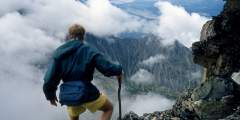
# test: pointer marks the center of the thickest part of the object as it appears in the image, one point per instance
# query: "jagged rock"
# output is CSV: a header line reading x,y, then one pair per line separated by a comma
x,y
131,116
218,51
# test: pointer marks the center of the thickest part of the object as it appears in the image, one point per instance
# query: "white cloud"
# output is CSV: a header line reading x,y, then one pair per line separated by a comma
x,y
153,60
148,103
196,75
142,76
23,100
22,48
18,35
8,6
104,18
175,23
99,17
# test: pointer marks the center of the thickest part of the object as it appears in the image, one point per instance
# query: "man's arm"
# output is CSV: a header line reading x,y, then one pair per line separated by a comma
x,y
51,81
106,67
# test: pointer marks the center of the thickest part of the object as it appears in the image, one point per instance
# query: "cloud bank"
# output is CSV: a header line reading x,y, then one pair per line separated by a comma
x,y
153,60
148,103
175,23
142,76
102,18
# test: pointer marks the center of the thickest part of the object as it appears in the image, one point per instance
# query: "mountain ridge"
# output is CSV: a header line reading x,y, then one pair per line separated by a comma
x,y
170,72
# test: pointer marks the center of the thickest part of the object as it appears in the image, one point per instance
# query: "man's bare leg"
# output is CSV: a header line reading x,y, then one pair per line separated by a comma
x,y
107,109
74,118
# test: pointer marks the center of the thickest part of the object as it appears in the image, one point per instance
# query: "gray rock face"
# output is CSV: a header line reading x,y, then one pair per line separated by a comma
x,y
218,51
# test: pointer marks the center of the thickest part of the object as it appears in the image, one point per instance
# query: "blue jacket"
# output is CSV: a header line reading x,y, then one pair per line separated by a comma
x,y
76,61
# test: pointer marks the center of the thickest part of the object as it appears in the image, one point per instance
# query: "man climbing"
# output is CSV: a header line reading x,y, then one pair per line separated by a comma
x,y
74,63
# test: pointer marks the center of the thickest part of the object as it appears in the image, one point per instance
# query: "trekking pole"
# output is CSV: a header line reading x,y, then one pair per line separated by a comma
x,y
119,99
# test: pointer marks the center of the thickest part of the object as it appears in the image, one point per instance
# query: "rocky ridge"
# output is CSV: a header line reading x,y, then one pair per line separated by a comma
x,y
218,52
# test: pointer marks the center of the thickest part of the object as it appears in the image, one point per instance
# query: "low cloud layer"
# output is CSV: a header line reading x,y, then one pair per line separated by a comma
x,y
148,103
142,76
153,60
196,75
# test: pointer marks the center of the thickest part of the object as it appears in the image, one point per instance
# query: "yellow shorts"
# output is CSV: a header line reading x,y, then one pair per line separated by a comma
x,y
93,106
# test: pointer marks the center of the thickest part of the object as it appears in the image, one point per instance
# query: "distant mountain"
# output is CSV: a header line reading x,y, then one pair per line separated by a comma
x,y
176,72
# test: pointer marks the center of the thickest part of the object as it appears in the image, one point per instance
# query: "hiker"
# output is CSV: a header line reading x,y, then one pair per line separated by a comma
x,y
74,63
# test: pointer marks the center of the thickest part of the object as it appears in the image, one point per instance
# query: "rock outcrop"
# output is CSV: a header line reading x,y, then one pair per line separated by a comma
x,y
218,51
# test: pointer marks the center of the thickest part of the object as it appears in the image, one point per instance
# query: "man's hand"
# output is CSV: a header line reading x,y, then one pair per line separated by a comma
x,y
120,77
54,101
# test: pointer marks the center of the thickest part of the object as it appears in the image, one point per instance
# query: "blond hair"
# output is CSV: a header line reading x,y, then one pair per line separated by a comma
x,y
76,31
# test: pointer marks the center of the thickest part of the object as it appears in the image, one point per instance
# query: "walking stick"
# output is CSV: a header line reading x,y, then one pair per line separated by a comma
x,y
119,99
